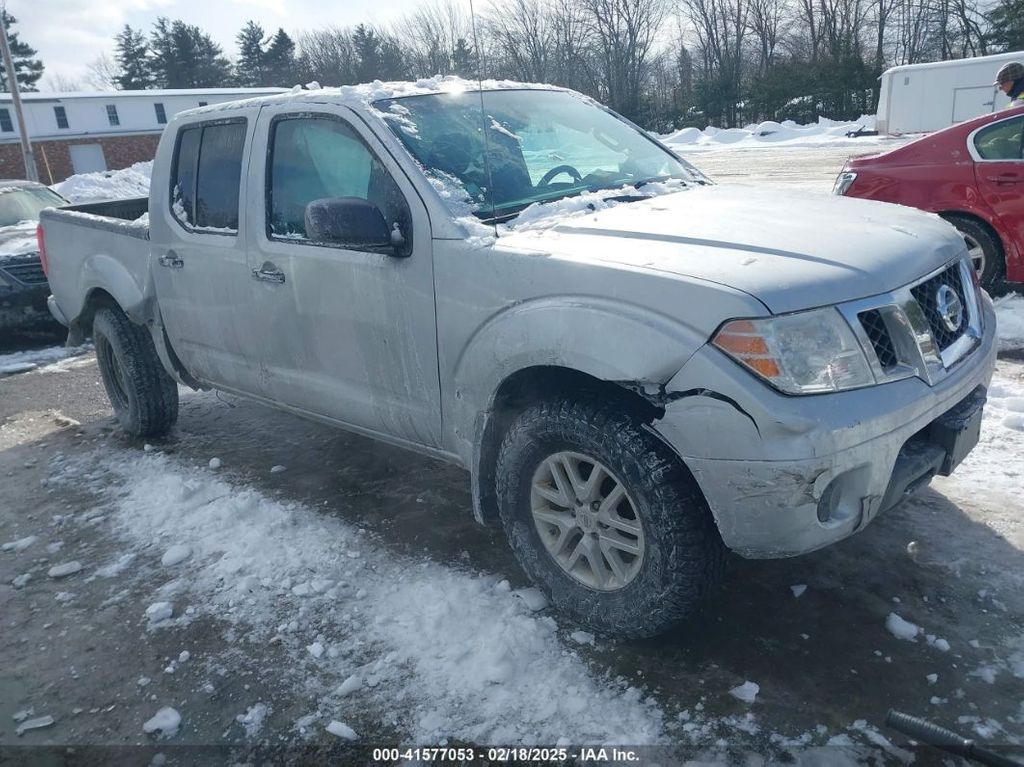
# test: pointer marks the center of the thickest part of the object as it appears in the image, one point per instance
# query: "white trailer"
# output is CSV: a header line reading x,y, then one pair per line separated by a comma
x,y
918,98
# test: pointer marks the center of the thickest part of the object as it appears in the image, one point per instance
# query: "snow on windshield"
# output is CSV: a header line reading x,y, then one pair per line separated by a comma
x,y
538,146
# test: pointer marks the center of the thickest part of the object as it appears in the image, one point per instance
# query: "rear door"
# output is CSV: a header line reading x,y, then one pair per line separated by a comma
x,y
348,333
998,152
200,268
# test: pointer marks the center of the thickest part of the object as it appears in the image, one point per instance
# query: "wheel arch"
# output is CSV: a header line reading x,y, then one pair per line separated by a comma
x,y
528,385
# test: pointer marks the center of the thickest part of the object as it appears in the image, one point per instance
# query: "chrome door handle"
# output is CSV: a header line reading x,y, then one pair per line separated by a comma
x,y
171,260
268,273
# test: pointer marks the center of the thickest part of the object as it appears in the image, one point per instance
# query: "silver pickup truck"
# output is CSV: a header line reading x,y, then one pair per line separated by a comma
x,y
640,370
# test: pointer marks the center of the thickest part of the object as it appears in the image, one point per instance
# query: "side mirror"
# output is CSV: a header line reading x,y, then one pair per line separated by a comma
x,y
347,221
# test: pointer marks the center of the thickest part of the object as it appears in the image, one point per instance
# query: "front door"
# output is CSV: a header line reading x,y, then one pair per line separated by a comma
x,y
998,151
200,267
348,331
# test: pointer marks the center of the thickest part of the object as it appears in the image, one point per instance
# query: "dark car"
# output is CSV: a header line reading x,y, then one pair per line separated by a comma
x,y
971,174
23,286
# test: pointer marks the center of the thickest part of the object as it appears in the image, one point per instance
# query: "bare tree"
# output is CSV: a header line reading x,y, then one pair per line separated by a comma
x,y
766,24
59,83
103,73
625,34
720,27
329,55
431,35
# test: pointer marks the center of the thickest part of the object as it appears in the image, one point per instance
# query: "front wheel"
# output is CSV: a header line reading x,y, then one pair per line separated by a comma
x,y
144,397
605,519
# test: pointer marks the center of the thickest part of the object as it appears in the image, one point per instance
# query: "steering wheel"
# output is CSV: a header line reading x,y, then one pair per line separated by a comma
x,y
576,176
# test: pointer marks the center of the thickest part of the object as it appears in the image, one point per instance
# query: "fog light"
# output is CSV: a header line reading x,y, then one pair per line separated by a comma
x,y
829,503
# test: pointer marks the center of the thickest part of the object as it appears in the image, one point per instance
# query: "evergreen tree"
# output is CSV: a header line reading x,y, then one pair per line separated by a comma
x,y
280,60
27,68
367,46
183,56
1007,20
131,55
251,67
162,64
464,62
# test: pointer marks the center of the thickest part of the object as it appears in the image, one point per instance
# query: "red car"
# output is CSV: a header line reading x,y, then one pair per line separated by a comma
x,y
971,174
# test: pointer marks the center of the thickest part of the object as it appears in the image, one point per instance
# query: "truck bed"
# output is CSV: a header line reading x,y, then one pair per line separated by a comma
x,y
98,246
123,216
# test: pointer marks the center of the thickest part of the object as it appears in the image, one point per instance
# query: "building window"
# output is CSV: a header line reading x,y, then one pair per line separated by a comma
x,y
62,117
203,103
5,121
161,115
112,114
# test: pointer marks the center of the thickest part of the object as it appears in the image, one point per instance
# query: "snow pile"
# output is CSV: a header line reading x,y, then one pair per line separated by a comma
x,y
453,654
1010,321
989,472
165,722
108,185
22,362
747,692
902,629
787,133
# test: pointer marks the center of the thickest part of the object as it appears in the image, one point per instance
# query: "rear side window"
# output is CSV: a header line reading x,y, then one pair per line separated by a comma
x,y
206,175
1002,141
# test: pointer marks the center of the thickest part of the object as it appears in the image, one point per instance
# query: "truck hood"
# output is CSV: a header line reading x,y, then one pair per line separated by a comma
x,y
790,250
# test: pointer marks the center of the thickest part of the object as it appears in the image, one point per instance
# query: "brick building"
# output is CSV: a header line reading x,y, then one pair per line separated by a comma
x,y
86,132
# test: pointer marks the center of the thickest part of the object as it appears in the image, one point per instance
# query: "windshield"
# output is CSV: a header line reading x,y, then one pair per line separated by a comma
x,y
23,203
541,146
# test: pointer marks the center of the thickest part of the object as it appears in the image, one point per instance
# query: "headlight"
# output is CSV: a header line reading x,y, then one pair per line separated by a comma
x,y
805,353
843,182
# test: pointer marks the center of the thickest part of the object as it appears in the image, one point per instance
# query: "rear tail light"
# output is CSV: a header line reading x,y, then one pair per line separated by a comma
x,y
42,251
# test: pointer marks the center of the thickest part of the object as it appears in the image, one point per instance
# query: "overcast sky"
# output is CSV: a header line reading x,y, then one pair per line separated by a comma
x,y
69,34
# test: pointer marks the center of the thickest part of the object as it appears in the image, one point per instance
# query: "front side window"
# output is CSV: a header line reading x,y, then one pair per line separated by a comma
x,y
161,115
112,115
62,117
540,145
206,176
5,121
315,158
1002,141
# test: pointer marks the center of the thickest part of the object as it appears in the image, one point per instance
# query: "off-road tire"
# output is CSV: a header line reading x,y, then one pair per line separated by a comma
x,y
684,556
144,397
993,276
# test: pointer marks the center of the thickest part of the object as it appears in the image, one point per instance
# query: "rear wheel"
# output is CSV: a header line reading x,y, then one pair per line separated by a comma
x,y
985,250
144,397
605,518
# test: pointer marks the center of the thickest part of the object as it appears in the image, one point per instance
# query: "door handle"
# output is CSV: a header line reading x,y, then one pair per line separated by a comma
x,y
268,273
1006,178
171,260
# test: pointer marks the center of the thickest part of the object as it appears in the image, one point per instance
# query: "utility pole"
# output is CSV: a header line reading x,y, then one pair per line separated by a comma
x,y
31,173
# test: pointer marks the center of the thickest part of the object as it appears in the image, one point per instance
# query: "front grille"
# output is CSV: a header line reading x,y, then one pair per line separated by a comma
x,y
927,295
27,273
878,334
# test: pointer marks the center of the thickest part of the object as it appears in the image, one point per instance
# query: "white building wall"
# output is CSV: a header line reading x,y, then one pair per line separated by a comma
x,y
87,113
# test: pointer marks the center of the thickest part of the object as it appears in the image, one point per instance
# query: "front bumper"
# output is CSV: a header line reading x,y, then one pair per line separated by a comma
x,y
23,293
767,462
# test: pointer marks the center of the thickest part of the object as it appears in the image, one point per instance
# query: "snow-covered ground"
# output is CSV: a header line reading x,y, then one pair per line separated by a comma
x,y
48,359
785,135
108,185
1010,321
461,654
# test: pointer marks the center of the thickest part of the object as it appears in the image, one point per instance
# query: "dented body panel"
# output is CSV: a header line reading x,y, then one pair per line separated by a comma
x,y
416,350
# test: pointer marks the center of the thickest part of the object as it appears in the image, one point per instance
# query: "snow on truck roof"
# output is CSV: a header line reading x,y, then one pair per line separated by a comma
x,y
367,93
